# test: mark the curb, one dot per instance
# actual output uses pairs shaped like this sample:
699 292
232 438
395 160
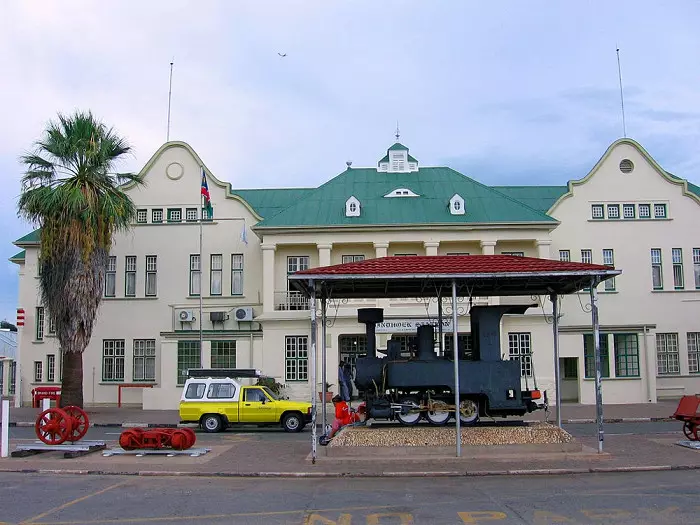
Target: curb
311 475
181 425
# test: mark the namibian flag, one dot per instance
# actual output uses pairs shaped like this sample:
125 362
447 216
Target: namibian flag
205 194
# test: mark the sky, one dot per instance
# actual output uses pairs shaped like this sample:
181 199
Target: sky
506 92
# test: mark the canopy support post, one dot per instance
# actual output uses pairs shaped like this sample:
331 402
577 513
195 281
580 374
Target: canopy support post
323 364
596 346
441 338
314 328
557 374
455 352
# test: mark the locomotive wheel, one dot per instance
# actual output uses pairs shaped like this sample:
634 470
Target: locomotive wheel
191 435
79 422
691 431
412 417
180 440
440 414
468 412
53 426
130 439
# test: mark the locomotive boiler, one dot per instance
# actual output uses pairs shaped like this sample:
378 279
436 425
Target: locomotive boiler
410 388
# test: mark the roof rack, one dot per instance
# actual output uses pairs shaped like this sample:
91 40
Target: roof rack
223 372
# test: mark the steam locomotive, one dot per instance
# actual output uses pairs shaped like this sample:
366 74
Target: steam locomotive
421 385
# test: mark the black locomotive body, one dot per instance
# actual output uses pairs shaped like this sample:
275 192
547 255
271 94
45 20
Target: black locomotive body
409 388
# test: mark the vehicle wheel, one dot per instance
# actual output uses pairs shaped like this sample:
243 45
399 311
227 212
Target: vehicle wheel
440 414
468 412
212 423
412 417
292 423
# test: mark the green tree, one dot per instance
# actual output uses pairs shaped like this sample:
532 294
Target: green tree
71 191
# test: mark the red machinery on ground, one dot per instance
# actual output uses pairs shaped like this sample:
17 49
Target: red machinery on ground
688 411
157 438
58 425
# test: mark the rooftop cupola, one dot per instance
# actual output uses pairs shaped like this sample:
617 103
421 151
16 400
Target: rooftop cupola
397 159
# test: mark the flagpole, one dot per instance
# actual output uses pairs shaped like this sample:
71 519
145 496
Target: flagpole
201 271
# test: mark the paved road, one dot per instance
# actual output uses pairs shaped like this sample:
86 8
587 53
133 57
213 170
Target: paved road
277 434
639 498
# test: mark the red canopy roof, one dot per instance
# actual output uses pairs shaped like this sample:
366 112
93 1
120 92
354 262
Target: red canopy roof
422 276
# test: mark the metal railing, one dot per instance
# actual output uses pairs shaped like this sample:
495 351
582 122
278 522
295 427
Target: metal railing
291 301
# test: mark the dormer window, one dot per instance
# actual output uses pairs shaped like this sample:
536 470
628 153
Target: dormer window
457 205
397 160
401 192
352 207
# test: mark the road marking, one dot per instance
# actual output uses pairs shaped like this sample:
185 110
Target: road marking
73 502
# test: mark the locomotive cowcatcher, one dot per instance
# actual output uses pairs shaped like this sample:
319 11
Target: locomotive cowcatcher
408 389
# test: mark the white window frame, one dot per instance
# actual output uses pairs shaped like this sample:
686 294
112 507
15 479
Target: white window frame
613 208
696 267
693 339
38 371
297 263
626 208
644 211
587 256
657 265
113 353
565 255
144 360
157 215
216 274
520 348
597 211
514 254
141 216
237 263
40 319
677 261
50 368
151 276
352 258
111 277
667 354
195 274
174 214
130 266
660 211
609 260
191 215
296 358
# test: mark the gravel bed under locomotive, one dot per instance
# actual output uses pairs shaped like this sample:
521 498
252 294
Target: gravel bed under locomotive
421 386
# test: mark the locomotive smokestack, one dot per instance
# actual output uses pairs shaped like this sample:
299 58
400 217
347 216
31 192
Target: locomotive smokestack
370 317
426 343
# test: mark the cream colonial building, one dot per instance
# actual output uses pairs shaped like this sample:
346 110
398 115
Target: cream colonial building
627 211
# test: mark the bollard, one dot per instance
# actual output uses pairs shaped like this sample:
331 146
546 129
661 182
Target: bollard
45 404
5 429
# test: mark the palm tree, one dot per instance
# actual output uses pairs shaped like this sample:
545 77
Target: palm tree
70 190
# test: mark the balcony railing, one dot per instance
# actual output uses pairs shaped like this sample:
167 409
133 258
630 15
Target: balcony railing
291 301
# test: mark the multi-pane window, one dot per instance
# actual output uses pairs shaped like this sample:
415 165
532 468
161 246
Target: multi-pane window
296 359
564 255
141 216
597 211
38 371
111 277
609 260
151 275
52 325
657 278
191 214
130 276
626 355
113 360
207 214
694 352
351 347
464 343
188 356
353 258
586 256
156 215
407 344
223 354
174 215
514 254
296 263
696 266
589 356
51 368
237 274
519 348
667 355
39 331
628 211
144 359
659 211
645 211
677 259
613 211
216 273
13 378
195 274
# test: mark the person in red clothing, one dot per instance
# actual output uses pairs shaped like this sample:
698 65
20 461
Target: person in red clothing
343 416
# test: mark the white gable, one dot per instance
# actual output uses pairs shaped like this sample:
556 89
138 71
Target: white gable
457 205
401 192
352 207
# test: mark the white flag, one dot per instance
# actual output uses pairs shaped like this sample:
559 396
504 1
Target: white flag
244 234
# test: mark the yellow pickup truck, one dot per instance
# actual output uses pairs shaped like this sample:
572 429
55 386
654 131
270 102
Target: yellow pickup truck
216 403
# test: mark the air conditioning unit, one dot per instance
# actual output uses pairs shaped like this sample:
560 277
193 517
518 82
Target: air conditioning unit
245 313
185 316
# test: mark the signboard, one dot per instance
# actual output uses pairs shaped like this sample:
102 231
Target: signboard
408 326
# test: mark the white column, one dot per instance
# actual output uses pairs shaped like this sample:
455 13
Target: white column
5 428
543 245
649 346
488 247
324 254
431 247
381 249
268 276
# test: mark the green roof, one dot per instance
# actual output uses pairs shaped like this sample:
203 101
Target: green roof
30 238
18 257
538 197
269 202
398 146
691 187
325 206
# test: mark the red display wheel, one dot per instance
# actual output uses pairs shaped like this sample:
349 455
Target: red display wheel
54 426
192 436
180 440
79 422
130 439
